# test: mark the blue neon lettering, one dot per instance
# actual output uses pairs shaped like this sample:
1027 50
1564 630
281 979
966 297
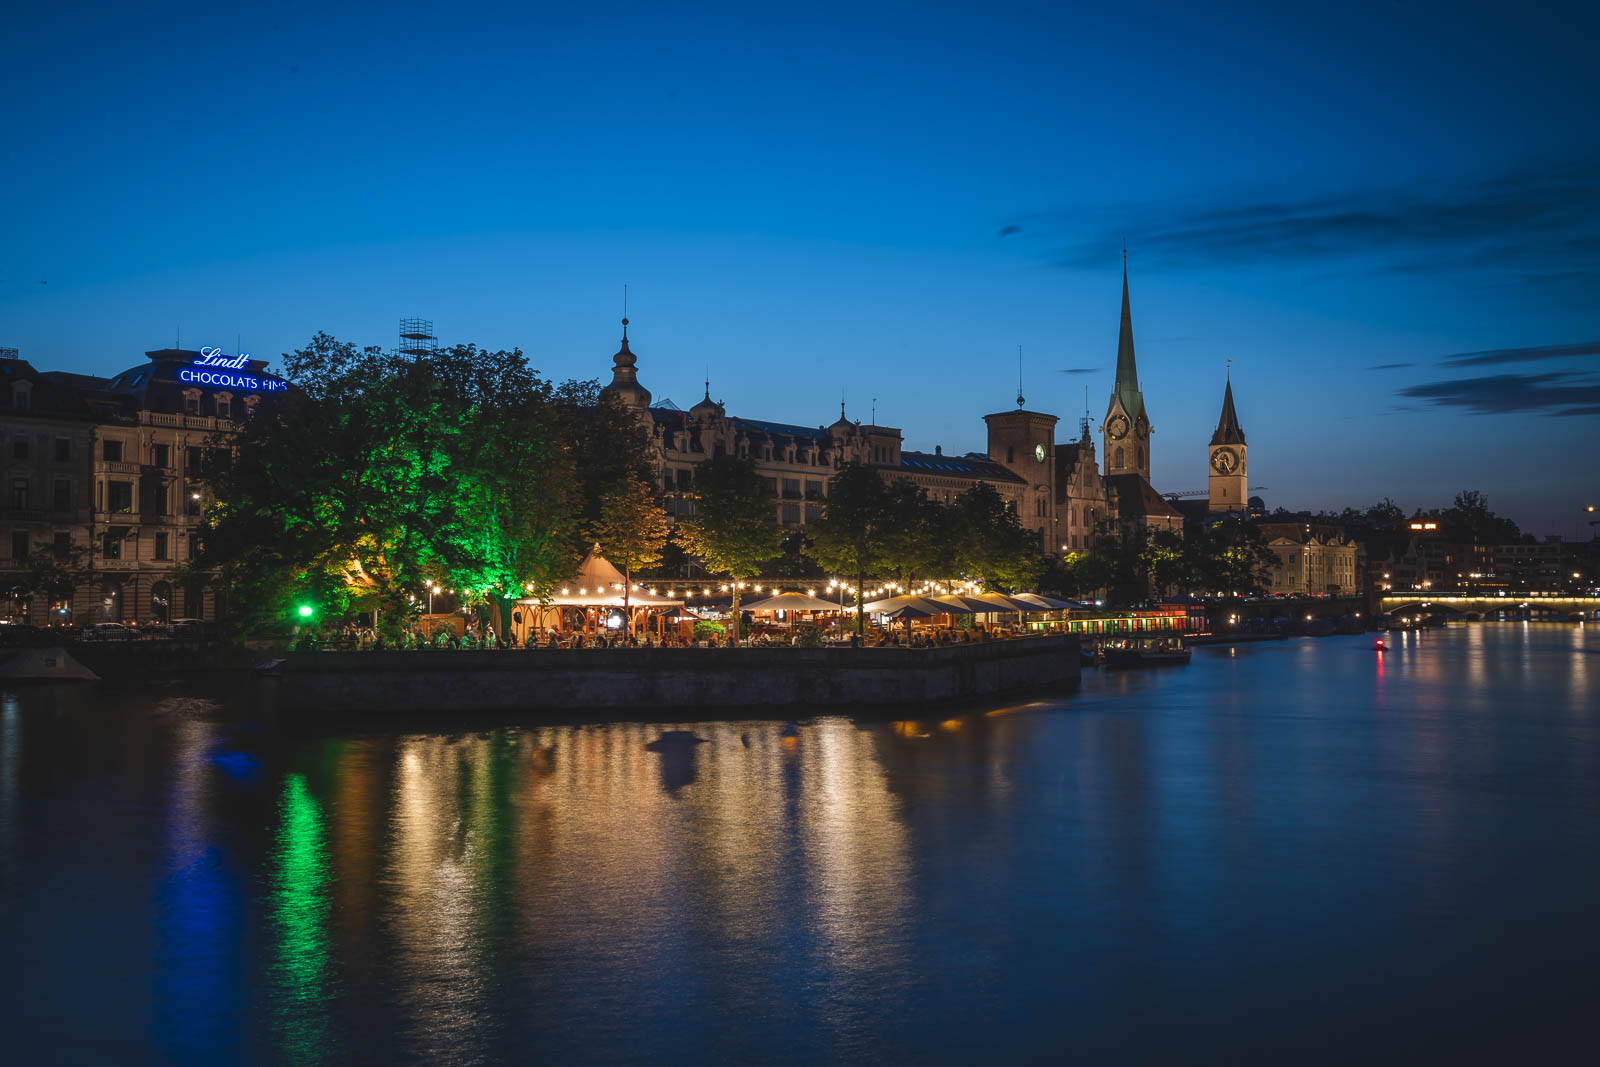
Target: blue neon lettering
213 357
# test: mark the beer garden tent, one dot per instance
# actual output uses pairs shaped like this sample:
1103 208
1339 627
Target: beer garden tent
599 585
790 602
925 608
1048 603
963 605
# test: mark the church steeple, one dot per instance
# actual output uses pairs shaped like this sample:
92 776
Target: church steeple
1228 431
1127 425
1127 369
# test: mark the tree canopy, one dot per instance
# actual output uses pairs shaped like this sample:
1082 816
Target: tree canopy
732 530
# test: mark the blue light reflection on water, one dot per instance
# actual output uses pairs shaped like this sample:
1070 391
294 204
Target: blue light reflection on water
1297 849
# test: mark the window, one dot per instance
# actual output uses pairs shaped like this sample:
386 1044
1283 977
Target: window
111 451
1011 455
791 513
63 449
61 495
161 545
19 545
163 455
191 403
791 488
61 545
19 448
21 396
19 493
192 460
111 546
223 408
191 501
772 485
119 496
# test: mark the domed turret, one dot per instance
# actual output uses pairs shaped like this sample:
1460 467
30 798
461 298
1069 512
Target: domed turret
625 379
843 426
707 408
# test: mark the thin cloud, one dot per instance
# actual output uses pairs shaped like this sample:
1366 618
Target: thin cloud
1007 231
1543 219
1530 354
1390 366
1079 370
1557 393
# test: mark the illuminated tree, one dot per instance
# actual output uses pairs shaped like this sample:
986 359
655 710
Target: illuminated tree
732 530
856 533
379 472
632 530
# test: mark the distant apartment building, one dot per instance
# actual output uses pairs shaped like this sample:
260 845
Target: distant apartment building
1313 559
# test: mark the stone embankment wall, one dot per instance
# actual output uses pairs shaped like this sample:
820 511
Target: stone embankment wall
667 679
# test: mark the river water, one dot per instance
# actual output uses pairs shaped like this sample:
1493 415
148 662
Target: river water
1292 851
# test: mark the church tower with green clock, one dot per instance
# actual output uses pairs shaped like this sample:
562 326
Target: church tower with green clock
1229 480
1126 428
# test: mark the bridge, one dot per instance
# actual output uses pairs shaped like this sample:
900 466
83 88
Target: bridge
1514 603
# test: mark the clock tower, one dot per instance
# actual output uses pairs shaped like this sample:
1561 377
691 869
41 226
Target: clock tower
1229 480
1126 428
1024 442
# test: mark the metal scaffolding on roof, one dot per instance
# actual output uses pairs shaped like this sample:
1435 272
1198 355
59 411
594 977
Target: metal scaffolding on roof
417 339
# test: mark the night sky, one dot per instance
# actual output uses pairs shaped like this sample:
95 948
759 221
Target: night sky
1389 220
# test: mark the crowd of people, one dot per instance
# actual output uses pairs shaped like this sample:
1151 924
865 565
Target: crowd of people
484 637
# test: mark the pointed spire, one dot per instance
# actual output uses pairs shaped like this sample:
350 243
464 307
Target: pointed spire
1228 431
1127 369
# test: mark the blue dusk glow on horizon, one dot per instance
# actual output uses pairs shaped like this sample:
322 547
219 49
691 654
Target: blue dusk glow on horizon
1387 218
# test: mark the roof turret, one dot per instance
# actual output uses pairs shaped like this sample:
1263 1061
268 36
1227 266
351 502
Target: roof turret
624 378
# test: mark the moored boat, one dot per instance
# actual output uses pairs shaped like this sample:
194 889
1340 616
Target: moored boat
1146 651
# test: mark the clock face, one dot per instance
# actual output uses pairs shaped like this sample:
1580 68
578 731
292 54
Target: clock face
1142 427
1117 427
1038 453
1224 461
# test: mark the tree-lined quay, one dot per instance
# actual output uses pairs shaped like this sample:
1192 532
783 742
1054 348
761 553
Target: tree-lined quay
348 510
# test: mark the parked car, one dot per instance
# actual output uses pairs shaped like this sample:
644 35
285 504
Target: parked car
107 631
187 629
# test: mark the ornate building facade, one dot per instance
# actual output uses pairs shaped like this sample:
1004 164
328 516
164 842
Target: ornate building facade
1056 490
108 480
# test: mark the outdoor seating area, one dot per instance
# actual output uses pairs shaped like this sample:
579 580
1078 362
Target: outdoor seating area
601 609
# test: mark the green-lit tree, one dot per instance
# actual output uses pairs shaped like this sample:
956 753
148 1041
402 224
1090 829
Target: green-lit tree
632 530
379 472
732 531
855 535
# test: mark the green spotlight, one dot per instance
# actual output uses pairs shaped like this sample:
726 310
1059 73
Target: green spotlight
305 611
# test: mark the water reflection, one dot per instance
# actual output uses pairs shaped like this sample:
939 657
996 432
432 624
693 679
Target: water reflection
300 912
952 885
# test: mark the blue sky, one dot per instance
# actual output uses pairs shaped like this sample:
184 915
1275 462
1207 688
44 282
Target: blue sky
878 202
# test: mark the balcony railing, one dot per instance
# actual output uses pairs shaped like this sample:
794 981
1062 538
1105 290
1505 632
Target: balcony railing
115 466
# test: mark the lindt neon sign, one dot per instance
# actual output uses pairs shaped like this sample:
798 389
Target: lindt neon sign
201 372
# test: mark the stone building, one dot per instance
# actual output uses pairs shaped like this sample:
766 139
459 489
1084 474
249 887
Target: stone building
1313 559
1228 488
124 459
1056 490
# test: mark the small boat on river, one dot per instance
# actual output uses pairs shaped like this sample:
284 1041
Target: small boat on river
1159 651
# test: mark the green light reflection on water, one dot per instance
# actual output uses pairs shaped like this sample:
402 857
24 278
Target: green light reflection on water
301 908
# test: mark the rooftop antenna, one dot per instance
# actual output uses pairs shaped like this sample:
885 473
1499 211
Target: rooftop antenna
874 411
624 311
1083 423
1019 377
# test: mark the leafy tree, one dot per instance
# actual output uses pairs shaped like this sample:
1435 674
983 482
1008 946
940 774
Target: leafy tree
990 543
793 560
732 530
856 533
379 472
45 574
632 530
608 446
1469 521
1231 557
1167 563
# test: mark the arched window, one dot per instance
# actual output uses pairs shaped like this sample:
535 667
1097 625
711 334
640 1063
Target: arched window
161 601
1119 457
111 600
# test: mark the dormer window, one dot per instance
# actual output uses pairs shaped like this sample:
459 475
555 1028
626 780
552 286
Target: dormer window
224 406
22 396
